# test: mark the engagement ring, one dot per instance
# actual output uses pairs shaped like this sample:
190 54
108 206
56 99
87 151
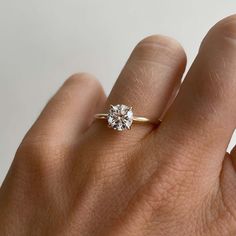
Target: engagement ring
120 117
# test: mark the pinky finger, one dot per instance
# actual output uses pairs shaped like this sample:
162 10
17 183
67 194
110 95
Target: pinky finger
70 111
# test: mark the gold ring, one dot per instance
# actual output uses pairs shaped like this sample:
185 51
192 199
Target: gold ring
120 117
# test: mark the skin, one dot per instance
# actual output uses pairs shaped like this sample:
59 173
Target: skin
73 176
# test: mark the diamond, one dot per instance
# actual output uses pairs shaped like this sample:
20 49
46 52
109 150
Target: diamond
120 117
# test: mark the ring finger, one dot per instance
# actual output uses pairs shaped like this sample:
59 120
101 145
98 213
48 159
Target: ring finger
146 84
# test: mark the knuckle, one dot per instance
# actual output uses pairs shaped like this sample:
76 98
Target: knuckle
216 59
83 79
220 213
36 144
163 195
227 27
79 77
41 152
42 144
222 34
106 171
158 48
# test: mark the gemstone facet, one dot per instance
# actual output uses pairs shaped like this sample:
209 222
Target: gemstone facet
120 117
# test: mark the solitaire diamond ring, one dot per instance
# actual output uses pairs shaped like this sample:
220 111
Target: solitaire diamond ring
120 117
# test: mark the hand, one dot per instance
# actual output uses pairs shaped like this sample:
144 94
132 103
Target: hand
73 176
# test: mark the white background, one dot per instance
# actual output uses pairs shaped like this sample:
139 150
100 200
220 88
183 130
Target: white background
43 42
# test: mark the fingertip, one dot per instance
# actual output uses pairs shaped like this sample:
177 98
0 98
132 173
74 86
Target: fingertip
84 78
222 34
157 42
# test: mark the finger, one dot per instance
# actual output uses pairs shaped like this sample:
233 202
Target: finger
70 112
172 98
147 81
201 121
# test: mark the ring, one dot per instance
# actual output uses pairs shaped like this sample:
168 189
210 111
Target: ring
120 117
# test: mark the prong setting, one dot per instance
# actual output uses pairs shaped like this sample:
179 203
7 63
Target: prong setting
120 117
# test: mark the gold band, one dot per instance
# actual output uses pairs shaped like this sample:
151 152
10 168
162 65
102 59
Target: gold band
136 119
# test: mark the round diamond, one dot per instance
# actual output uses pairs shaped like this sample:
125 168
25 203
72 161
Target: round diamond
120 117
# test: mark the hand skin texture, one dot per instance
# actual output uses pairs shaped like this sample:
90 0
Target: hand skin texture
72 176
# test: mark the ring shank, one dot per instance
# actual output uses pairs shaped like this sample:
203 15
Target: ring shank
136 119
